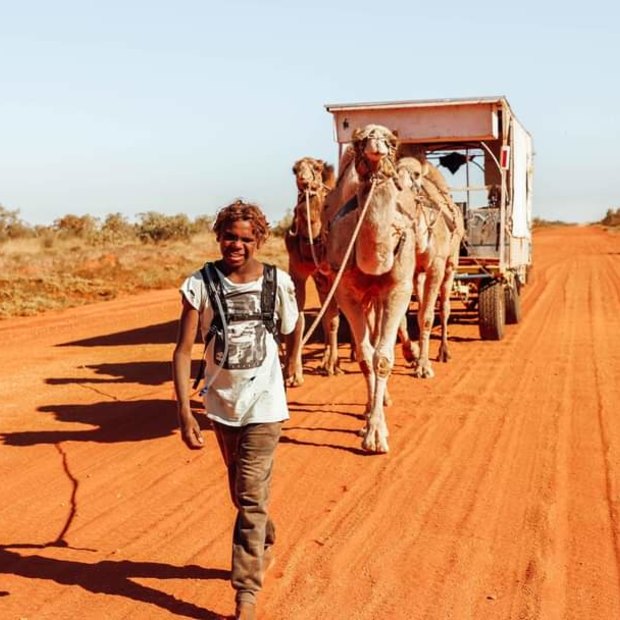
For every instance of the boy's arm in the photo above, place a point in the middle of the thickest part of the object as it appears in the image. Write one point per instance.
(181, 370)
(287, 310)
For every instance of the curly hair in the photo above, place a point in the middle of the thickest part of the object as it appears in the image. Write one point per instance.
(245, 211)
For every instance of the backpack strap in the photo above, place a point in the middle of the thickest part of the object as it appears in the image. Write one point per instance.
(217, 300)
(268, 299)
(213, 284)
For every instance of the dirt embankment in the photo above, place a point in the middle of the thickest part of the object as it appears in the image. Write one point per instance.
(499, 499)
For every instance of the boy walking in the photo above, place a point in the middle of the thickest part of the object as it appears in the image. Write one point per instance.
(244, 391)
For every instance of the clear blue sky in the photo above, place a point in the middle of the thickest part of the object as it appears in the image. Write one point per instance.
(184, 106)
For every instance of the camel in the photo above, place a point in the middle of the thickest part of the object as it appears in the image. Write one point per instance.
(305, 246)
(439, 231)
(377, 279)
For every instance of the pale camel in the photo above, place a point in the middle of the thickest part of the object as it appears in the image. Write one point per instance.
(439, 231)
(378, 276)
(305, 246)
(342, 199)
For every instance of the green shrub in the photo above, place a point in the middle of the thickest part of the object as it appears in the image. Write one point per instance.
(156, 227)
(612, 218)
(116, 229)
(80, 226)
(203, 223)
(283, 226)
(12, 227)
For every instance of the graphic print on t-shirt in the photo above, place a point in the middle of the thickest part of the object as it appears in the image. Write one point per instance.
(247, 338)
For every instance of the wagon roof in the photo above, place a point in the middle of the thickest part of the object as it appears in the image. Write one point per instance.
(416, 103)
(432, 120)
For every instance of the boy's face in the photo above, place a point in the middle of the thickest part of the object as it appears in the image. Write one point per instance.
(238, 244)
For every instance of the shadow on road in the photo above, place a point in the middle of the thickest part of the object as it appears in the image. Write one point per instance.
(115, 578)
(143, 373)
(162, 333)
(112, 421)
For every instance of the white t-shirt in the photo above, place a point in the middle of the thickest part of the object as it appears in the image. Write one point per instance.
(249, 387)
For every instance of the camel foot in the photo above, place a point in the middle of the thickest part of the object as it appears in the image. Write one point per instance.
(375, 441)
(294, 381)
(444, 355)
(330, 370)
(424, 372)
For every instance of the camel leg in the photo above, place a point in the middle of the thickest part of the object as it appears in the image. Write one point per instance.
(294, 374)
(418, 284)
(444, 309)
(375, 439)
(361, 338)
(426, 318)
(375, 317)
(405, 342)
(330, 363)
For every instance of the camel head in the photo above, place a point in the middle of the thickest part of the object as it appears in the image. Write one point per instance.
(314, 178)
(312, 174)
(411, 171)
(375, 150)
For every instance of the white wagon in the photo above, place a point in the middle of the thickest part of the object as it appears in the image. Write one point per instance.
(488, 154)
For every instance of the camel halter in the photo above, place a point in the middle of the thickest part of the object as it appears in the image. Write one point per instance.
(294, 231)
(314, 259)
(345, 260)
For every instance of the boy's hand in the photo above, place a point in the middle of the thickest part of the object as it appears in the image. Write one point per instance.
(191, 433)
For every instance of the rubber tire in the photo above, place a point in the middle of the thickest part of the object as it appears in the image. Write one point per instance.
(491, 311)
(513, 304)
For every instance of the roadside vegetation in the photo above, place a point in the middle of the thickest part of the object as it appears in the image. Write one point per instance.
(539, 222)
(82, 259)
(612, 218)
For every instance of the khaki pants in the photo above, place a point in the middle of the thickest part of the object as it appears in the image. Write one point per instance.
(248, 452)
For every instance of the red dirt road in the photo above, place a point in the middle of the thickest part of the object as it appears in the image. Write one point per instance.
(499, 499)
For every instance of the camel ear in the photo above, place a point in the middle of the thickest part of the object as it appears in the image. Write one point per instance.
(395, 132)
(425, 168)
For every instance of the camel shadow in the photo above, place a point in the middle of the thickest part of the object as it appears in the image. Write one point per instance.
(112, 421)
(114, 578)
(331, 446)
(463, 339)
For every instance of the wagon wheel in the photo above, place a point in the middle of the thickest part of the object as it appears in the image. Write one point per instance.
(492, 311)
(513, 303)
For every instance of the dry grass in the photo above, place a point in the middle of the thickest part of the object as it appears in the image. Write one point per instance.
(70, 273)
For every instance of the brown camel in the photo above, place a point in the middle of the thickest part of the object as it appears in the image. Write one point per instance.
(377, 280)
(439, 230)
(305, 246)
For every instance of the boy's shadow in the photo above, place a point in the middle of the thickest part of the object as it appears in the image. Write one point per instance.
(113, 578)
(136, 420)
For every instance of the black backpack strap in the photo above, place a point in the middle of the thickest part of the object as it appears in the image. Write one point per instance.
(213, 284)
(268, 299)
